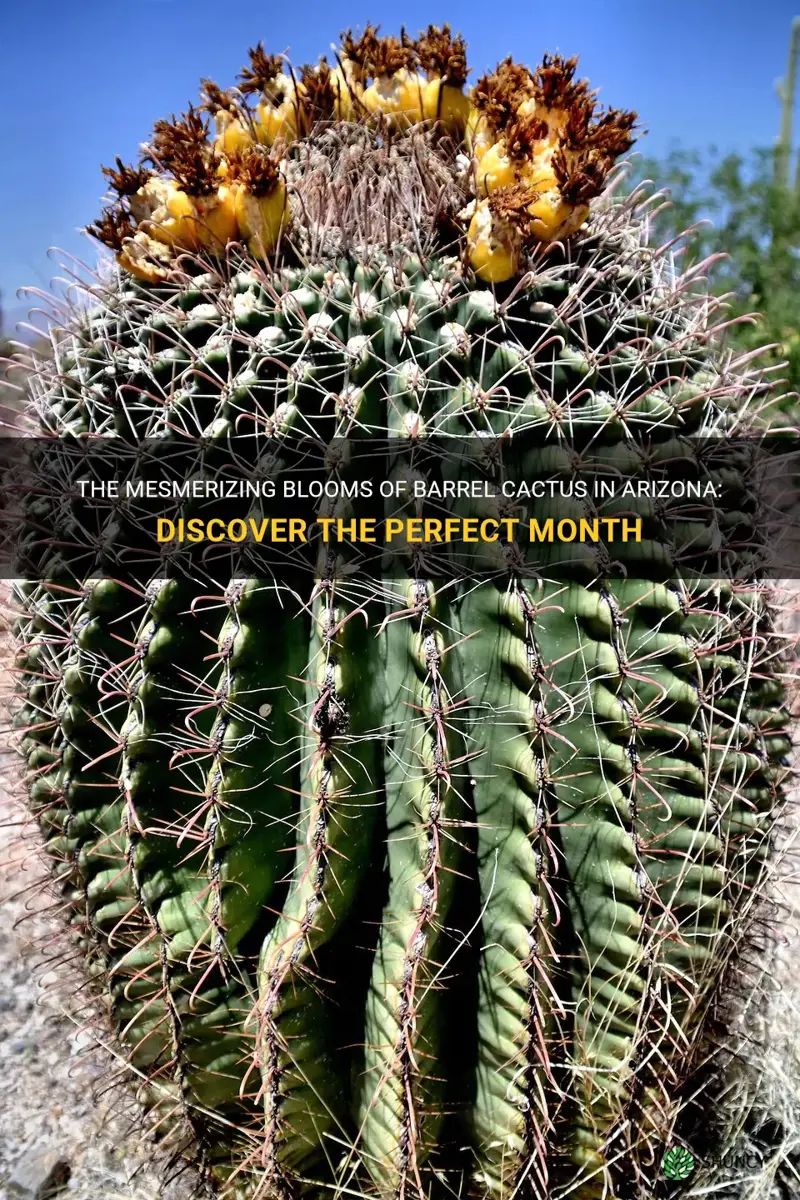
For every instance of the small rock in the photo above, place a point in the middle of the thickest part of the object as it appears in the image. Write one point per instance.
(19, 1045)
(39, 1174)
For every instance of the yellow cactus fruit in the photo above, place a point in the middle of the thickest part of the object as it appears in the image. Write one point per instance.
(232, 135)
(447, 104)
(182, 206)
(170, 216)
(554, 218)
(215, 219)
(495, 169)
(135, 250)
(494, 245)
(278, 106)
(478, 135)
(399, 96)
(145, 258)
(443, 58)
(261, 218)
(278, 116)
(397, 89)
(166, 213)
(259, 198)
(538, 174)
(232, 132)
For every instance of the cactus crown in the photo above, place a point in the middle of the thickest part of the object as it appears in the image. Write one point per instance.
(526, 151)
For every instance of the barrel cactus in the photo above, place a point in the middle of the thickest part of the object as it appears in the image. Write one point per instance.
(397, 888)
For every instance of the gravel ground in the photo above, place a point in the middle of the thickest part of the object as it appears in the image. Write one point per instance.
(55, 1119)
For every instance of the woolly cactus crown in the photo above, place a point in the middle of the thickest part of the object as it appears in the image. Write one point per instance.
(383, 148)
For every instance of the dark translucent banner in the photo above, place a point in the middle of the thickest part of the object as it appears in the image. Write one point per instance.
(452, 507)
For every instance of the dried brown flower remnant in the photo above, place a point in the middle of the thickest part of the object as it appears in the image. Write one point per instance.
(264, 69)
(182, 148)
(554, 82)
(391, 54)
(589, 152)
(579, 123)
(439, 53)
(522, 134)
(511, 204)
(581, 179)
(612, 135)
(255, 167)
(359, 52)
(216, 99)
(499, 94)
(319, 97)
(125, 179)
(372, 55)
(112, 227)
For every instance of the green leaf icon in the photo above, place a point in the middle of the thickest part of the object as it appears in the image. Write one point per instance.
(678, 1163)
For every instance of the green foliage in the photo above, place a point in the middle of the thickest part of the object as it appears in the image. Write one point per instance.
(740, 210)
(744, 213)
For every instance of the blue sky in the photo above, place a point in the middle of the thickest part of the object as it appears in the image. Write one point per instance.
(85, 79)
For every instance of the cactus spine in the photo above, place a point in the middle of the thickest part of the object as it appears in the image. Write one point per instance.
(402, 888)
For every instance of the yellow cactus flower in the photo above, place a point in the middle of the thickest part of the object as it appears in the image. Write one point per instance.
(447, 104)
(398, 96)
(261, 218)
(494, 246)
(443, 58)
(495, 169)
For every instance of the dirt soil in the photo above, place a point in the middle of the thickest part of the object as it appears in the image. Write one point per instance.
(58, 1102)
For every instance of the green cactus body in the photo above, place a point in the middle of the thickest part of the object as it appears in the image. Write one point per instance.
(401, 1096)
(206, 1011)
(252, 781)
(304, 1092)
(93, 711)
(399, 885)
(519, 1014)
